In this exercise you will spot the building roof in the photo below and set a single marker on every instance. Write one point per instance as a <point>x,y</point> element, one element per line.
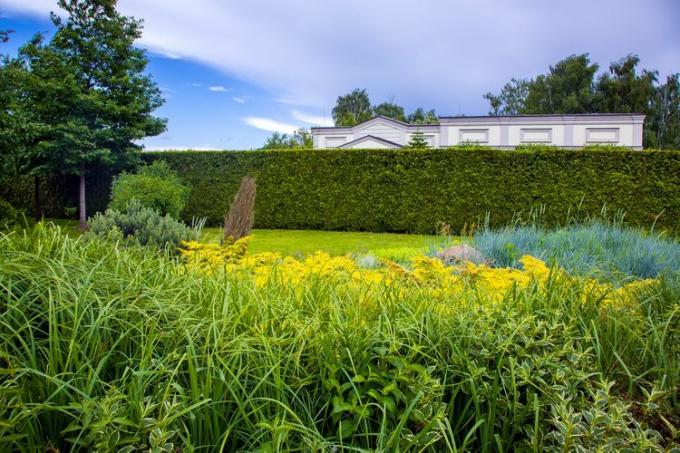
<point>377,118</point>
<point>371,137</point>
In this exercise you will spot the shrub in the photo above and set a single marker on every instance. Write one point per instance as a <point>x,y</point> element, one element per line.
<point>155,186</point>
<point>412,190</point>
<point>607,249</point>
<point>239,221</point>
<point>8,215</point>
<point>141,225</point>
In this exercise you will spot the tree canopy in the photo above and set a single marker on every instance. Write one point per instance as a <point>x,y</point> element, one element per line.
<point>88,92</point>
<point>355,107</point>
<point>300,139</point>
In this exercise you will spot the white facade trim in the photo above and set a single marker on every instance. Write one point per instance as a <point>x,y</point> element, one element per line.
<point>566,131</point>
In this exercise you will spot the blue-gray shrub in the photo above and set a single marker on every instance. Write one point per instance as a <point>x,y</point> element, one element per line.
<point>598,248</point>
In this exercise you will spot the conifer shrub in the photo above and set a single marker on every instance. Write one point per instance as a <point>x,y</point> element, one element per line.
<point>155,186</point>
<point>142,226</point>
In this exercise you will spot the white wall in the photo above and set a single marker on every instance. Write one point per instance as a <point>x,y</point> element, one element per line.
<point>569,131</point>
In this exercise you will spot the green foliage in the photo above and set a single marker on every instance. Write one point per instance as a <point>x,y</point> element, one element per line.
<point>412,190</point>
<point>155,186</point>
<point>390,110</point>
<point>142,226</point>
<point>300,139</point>
<point>352,108</point>
<point>90,91</point>
<point>106,348</point>
<point>420,116</point>
<point>8,215</point>
<point>418,141</point>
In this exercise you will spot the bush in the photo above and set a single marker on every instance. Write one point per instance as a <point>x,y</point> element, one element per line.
<point>603,249</point>
<point>141,225</point>
<point>8,215</point>
<point>155,186</point>
<point>413,190</point>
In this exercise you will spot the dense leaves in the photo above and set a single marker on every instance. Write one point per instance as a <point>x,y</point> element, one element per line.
<point>413,190</point>
<point>155,186</point>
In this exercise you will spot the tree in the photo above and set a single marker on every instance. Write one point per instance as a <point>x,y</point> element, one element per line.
<point>663,120</point>
<point>568,87</point>
<point>418,141</point>
<point>352,108</point>
<point>623,90</point>
<point>420,116</point>
<point>300,139</point>
<point>389,109</point>
<point>93,91</point>
<point>20,128</point>
<point>511,99</point>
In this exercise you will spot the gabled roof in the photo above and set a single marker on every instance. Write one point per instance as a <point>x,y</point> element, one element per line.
<point>400,124</point>
<point>371,137</point>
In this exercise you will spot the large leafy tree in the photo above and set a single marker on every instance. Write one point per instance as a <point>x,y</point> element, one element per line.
<point>511,100</point>
<point>300,139</point>
<point>390,110</point>
<point>623,90</point>
<point>567,88</point>
<point>352,108</point>
<point>21,129</point>
<point>421,116</point>
<point>91,88</point>
<point>663,122</point>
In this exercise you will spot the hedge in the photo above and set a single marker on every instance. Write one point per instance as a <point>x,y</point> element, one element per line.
<point>413,190</point>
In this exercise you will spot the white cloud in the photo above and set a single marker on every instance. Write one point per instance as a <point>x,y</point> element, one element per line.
<point>311,119</point>
<point>196,84</point>
<point>293,51</point>
<point>268,124</point>
<point>239,100</point>
<point>217,89</point>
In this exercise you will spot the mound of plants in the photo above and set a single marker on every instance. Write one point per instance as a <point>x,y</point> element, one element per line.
<point>154,186</point>
<point>142,226</point>
<point>108,348</point>
<point>606,249</point>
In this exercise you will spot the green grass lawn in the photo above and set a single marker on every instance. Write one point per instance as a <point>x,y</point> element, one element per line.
<point>303,242</point>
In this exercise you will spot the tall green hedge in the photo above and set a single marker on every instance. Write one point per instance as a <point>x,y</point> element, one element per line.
<point>413,190</point>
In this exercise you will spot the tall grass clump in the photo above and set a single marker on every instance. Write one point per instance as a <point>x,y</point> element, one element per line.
<point>607,249</point>
<point>105,347</point>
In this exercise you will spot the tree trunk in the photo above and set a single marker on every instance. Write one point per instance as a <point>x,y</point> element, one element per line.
<point>81,200</point>
<point>39,213</point>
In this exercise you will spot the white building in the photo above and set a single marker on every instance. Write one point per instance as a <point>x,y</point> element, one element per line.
<point>566,131</point>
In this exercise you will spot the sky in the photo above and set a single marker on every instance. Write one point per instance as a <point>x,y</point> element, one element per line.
<point>234,71</point>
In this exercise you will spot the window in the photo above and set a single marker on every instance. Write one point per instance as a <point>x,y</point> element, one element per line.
<point>474,136</point>
<point>536,135</point>
<point>602,135</point>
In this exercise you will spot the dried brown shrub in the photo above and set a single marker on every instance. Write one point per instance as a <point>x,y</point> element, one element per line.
<point>239,220</point>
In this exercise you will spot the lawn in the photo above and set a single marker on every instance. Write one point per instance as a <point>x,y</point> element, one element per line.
<point>304,242</point>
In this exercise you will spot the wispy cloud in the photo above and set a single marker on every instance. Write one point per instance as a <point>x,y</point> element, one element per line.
<point>257,43</point>
<point>268,124</point>
<point>196,84</point>
<point>311,119</point>
<point>218,89</point>
<point>239,100</point>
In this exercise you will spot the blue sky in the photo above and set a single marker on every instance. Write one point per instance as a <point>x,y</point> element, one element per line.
<point>234,71</point>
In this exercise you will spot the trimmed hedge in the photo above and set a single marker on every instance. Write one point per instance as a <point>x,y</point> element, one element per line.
<point>412,190</point>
